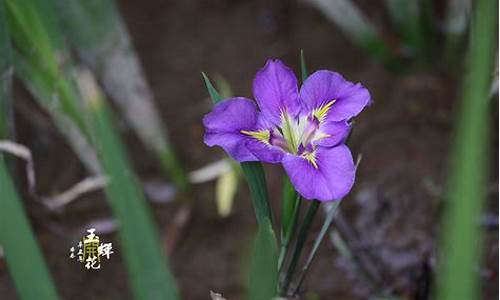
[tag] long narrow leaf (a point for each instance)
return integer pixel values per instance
(42, 62)
(39, 42)
(97, 31)
(24, 259)
(330, 210)
(461, 234)
(6, 114)
(36, 82)
(301, 240)
(23, 256)
(289, 207)
(264, 265)
(146, 263)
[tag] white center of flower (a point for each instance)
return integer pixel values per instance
(296, 135)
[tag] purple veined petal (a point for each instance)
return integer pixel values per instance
(275, 89)
(331, 180)
(331, 133)
(224, 124)
(324, 86)
(263, 122)
(265, 152)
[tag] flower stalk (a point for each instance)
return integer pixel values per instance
(301, 240)
(288, 234)
(332, 209)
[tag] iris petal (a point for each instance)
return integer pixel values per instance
(265, 152)
(332, 179)
(275, 90)
(225, 123)
(322, 87)
(331, 133)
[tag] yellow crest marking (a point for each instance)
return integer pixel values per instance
(310, 157)
(321, 112)
(260, 135)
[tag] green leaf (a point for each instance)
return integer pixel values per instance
(90, 25)
(39, 44)
(289, 207)
(146, 263)
(6, 108)
(303, 67)
(331, 211)
(38, 61)
(22, 254)
(24, 259)
(458, 277)
(264, 264)
(256, 179)
(301, 240)
(214, 95)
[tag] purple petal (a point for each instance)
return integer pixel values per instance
(264, 152)
(224, 124)
(275, 89)
(333, 178)
(336, 131)
(324, 86)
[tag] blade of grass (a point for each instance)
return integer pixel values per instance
(42, 63)
(24, 259)
(36, 82)
(99, 34)
(264, 265)
(254, 173)
(6, 113)
(461, 234)
(22, 254)
(146, 263)
(38, 41)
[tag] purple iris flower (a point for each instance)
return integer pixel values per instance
(303, 130)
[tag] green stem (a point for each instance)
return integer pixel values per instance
(461, 244)
(326, 226)
(302, 238)
(256, 179)
(285, 243)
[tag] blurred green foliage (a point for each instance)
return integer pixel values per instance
(461, 235)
